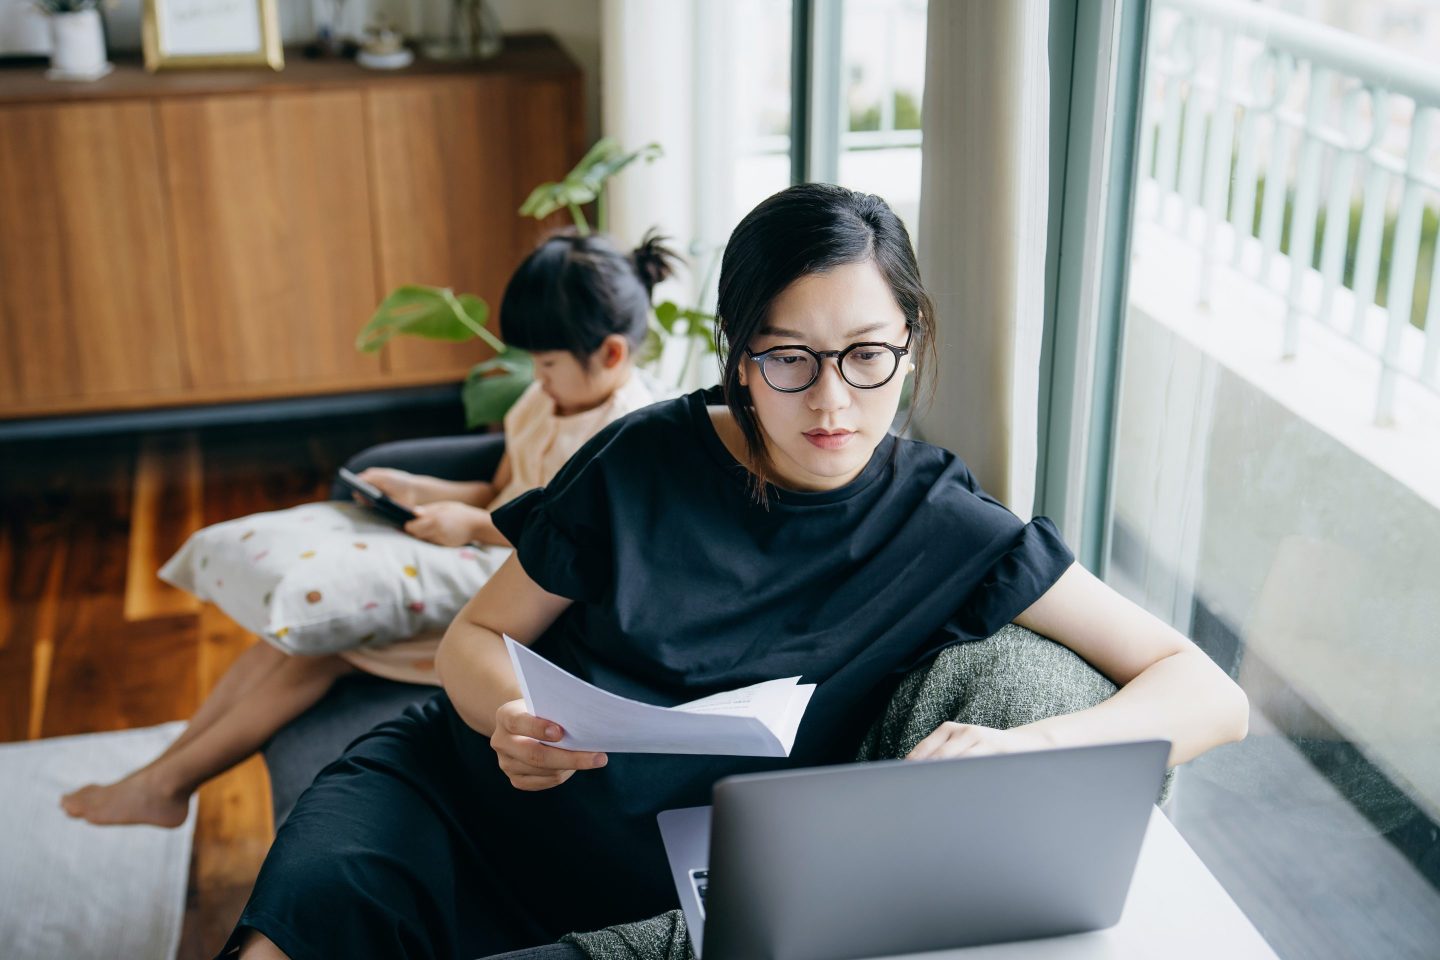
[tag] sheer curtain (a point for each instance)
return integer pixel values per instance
(983, 197)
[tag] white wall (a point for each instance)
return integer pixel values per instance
(574, 23)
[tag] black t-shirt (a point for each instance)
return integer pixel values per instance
(685, 586)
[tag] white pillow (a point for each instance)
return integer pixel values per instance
(327, 577)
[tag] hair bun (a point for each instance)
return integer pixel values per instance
(653, 260)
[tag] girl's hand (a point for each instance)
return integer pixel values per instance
(530, 763)
(399, 485)
(448, 523)
(970, 740)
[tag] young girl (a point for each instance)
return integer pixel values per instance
(581, 308)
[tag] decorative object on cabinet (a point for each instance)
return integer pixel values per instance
(77, 40)
(180, 34)
(384, 48)
(475, 33)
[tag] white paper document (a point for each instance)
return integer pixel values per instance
(754, 721)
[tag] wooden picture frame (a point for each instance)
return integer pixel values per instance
(200, 34)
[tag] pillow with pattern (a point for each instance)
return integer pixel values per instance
(329, 577)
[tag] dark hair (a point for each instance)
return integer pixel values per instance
(807, 229)
(573, 291)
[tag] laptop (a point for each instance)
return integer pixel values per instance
(900, 856)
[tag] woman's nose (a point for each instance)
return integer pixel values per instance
(829, 391)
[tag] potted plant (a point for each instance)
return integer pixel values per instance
(77, 39)
(494, 385)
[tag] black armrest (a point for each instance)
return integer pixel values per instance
(469, 457)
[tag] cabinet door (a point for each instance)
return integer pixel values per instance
(86, 313)
(547, 128)
(274, 253)
(443, 203)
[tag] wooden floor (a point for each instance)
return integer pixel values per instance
(91, 640)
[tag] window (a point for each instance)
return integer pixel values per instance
(1276, 447)
(867, 88)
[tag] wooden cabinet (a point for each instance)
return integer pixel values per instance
(196, 238)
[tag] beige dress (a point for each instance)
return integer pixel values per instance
(538, 442)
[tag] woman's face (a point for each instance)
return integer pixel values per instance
(822, 437)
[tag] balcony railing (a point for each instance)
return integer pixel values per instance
(1244, 99)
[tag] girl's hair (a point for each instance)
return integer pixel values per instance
(807, 229)
(572, 292)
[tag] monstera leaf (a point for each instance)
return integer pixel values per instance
(494, 385)
(434, 312)
(586, 183)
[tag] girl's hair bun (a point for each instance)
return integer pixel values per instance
(654, 261)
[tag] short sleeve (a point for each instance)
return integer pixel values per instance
(1023, 560)
(561, 532)
(1031, 564)
(1020, 562)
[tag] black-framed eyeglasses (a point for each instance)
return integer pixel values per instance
(791, 368)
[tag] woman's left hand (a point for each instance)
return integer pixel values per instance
(970, 740)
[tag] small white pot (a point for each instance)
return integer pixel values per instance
(77, 45)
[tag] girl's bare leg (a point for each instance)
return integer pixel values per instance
(159, 793)
(250, 668)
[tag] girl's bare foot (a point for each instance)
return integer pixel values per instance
(135, 799)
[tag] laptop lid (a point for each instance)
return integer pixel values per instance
(894, 857)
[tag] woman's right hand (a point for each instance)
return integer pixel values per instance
(529, 762)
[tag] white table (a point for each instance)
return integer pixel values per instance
(1176, 909)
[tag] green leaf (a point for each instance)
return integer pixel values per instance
(471, 311)
(542, 202)
(695, 319)
(651, 347)
(598, 165)
(603, 148)
(493, 386)
(433, 312)
(667, 313)
(549, 197)
(584, 183)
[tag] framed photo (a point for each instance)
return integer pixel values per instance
(181, 34)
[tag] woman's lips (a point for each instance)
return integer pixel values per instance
(829, 440)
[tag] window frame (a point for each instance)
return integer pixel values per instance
(1097, 78)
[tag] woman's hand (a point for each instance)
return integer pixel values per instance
(530, 763)
(448, 523)
(970, 740)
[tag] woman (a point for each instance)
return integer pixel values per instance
(766, 528)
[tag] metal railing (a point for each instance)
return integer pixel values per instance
(1244, 99)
